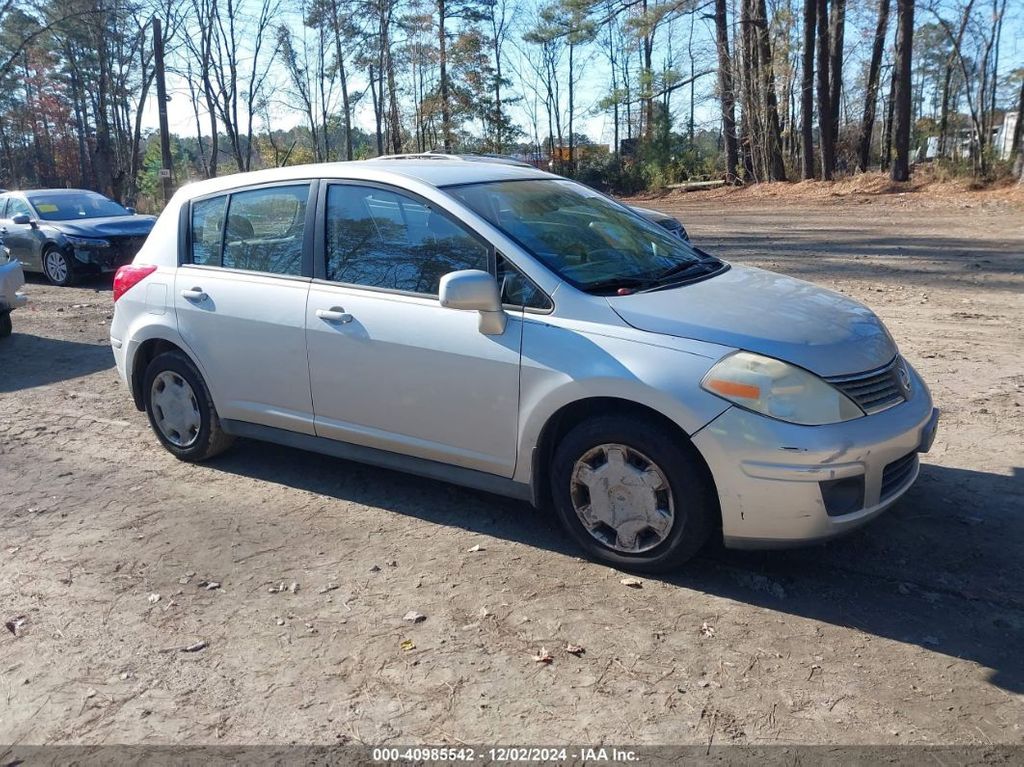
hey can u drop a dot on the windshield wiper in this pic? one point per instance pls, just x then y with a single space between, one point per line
671 276
616 283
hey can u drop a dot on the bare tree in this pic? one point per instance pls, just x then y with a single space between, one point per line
867 125
807 88
726 92
904 86
825 134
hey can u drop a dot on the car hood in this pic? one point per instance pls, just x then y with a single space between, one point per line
650 214
132 226
768 313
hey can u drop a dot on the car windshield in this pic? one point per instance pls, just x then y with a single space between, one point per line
72 206
587 239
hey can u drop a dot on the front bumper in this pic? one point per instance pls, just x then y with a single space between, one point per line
119 251
772 477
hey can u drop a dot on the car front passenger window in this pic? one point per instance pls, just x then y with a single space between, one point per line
381 239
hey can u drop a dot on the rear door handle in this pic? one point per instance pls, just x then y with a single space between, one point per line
334 314
195 294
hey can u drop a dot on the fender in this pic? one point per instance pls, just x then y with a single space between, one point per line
561 366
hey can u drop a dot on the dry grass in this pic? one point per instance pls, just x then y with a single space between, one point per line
924 186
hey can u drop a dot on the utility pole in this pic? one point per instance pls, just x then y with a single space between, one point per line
161 96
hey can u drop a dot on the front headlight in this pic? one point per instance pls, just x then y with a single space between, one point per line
777 389
87 242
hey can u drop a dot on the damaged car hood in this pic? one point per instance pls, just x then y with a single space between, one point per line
112 226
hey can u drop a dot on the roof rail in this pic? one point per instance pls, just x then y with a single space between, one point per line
494 158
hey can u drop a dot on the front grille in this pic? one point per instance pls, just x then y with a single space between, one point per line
896 474
873 391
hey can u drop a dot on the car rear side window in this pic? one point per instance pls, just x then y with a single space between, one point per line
381 239
265 229
208 230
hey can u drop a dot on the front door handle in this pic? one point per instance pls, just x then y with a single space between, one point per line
195 294
334 314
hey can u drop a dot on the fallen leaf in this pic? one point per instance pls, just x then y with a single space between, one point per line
633 583
706 629
543 656
294 588
15 623
414 617
200 645
478 547
574 649
208 585
408 644
154 598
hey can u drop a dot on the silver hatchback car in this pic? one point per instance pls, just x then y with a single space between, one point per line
512 331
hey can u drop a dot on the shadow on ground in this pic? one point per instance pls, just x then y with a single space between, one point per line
99 283
801 252
941 570
27 361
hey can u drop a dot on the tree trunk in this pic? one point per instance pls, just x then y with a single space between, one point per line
442 46
886 151
807 87
901 111
647 77
726 92
825 133
837 24
1018 129
393 115
867 125
774 163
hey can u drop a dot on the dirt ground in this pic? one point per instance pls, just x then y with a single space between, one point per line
909 631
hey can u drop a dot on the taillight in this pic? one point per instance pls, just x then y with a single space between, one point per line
128 276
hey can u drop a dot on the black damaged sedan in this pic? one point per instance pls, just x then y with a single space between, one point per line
66 233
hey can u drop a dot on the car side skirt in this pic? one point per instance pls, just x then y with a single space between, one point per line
456 475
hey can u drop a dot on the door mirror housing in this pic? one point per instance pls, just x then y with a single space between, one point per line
475 290
131 210
21 219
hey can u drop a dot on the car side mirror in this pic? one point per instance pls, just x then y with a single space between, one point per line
21 219
475 290
131 210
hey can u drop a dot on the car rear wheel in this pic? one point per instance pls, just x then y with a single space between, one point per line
6 326
633 493
181 410
58 268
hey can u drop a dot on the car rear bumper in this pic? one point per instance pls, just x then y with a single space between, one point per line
781 484
12 278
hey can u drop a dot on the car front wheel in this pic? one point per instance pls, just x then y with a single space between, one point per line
58 268
633 493
181 410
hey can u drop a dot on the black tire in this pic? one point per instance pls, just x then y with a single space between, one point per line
210 439
61 278
6 326
696 511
